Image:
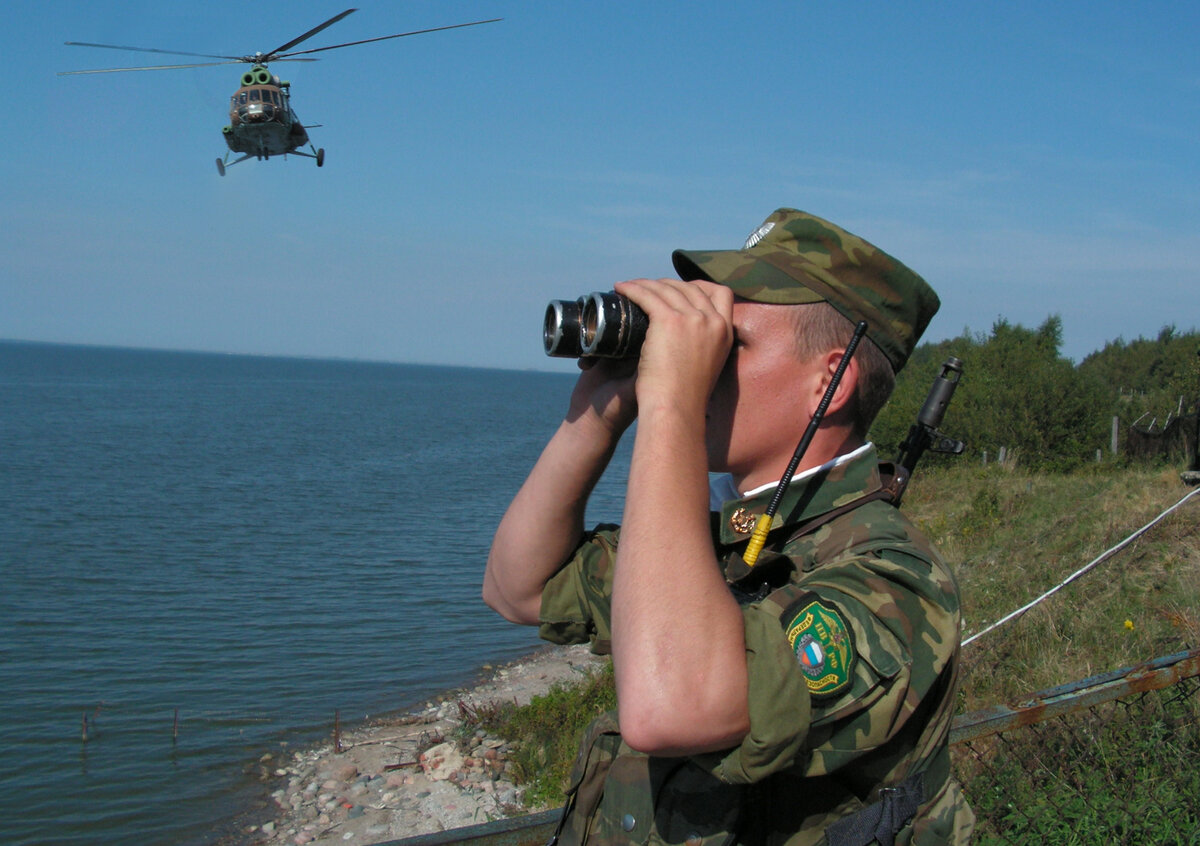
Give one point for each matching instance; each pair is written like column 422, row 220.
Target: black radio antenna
column 763, row 525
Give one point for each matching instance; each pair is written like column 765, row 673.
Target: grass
column 1117, row 773
column 1011, row 536
column 547, row 732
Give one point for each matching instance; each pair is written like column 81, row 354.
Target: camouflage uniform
column 851, row 618
column 852, row 640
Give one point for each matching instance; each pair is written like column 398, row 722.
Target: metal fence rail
column 1112, row 759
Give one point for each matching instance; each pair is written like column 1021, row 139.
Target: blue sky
column 1028, row 159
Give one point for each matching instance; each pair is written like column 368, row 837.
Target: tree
column 1149, row 377
column 1017, row 392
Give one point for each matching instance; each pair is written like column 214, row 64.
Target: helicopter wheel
column 321, row 157
column 220, row 167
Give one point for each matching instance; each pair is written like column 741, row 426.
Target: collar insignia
column 742, row 521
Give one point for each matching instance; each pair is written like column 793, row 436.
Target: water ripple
column 207, row 555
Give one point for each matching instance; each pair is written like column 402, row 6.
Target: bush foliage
column 1019, row 392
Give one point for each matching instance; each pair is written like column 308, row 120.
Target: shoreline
column 404, row 774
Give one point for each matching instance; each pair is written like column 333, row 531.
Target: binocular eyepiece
column 602, row 325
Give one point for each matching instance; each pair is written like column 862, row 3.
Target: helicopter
column 262, row 123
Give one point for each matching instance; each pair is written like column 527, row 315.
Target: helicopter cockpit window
column 254, row 95
column 242, row 98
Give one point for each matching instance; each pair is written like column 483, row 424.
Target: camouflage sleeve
column 838, row 662
column 870, row 636
column 779, row 704
column 577, row 601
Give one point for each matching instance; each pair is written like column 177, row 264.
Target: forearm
column 544, row 522
column 678, row 639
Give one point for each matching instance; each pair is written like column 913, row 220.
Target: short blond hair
column 820, row 328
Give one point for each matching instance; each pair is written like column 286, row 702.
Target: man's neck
column 826, row 446
column 723, row 487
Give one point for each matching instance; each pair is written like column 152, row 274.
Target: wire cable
column 1108, row 553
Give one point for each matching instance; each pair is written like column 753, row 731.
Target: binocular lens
column 602, row 325
column 560, row 331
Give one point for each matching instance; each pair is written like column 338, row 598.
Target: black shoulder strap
column 879, row 822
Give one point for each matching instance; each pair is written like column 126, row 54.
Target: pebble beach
column 406, row 775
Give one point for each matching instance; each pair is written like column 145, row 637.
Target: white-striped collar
column 721, row 488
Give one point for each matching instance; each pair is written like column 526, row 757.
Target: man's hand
column 604, row 395
column 687, row 342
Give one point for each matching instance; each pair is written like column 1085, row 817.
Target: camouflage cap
column 796, row 257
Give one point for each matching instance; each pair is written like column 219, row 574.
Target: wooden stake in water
column 85, row 729
column 337, row 731
column 175, row 727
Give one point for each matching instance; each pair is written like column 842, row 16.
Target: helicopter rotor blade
column 274, row 53
column 171, row 67
column 386, row 37
column 151, row 67
column 150, row 50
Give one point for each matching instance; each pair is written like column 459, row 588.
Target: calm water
column 255, row 542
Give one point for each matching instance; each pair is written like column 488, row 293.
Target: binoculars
column 601, row 325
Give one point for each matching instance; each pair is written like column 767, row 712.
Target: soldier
column 806, row 699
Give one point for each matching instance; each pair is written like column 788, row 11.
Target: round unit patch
column 823, row 645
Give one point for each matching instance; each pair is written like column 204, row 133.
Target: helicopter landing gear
column 223, row 163
column 319, row 155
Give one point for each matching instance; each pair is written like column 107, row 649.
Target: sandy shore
column 408, row 775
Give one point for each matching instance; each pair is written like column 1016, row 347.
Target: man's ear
column 843, row 397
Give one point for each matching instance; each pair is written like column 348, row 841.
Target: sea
column 206, row 558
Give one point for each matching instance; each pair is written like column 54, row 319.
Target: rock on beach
column 409, row 775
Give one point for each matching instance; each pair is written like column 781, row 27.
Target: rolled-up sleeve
column 780, row 705
column 577, row 601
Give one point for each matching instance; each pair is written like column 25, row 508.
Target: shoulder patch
column 823, row 644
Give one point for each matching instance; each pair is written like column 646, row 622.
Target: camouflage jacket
column 852, row 642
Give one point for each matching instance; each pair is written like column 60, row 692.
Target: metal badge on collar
column 742, row 521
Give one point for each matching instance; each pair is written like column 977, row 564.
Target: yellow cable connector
column 757, row 539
